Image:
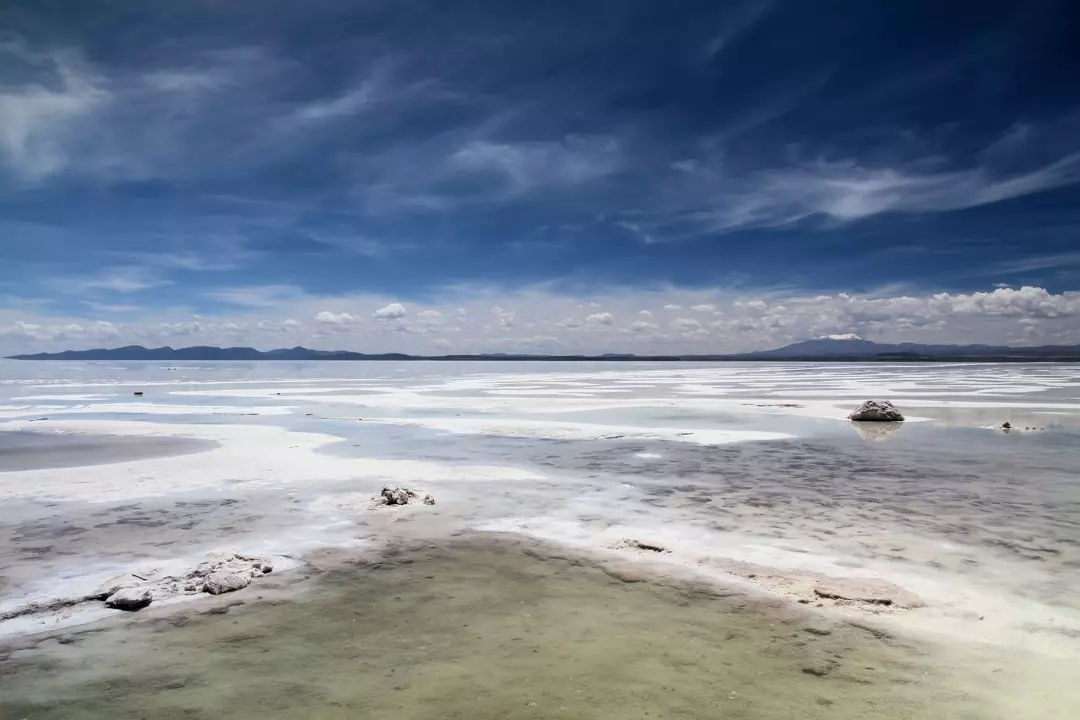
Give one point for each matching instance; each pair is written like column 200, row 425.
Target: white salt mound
column 876, row 411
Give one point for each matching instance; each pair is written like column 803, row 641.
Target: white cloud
column 329, row 318
column 644, row 313
column 686, row 324
column 393, row 311
column 504, row 319
column 600, row 319
column 704, row 307
column 1027, row 301
column 759, row 320
column 673, row 307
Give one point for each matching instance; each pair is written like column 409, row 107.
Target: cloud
column 393, row 311
column 704, row 307
column 124, row 280
column 329, row 318
column 644, row 313
column 750, row 322
column 686, row 324
column 1030, row 302
column 39, row 115
column 849, row 190
column 600, row 319
column 672, row 307
column 97, row 331
column 258, row 296
column 527, row 165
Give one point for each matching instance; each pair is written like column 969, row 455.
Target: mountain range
column 830, row 348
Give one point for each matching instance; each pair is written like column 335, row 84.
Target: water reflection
column 876, row 431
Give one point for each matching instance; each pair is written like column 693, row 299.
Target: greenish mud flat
column 487, row 625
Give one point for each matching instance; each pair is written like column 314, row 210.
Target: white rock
column 876, row 411
column 394, row 495
column 223, row 582
column 129, row 598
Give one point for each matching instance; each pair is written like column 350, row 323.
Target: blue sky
column 230, row 173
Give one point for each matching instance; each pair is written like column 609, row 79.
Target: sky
column 493, row 176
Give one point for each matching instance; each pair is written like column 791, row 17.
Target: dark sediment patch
column 484, row 626
column 25, row 450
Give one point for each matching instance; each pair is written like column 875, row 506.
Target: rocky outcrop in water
column 222, row 572
column 394, row 495
column 876, row 411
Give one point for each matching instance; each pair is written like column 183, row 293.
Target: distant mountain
column 829, row 348
column 836, row 347
column 207, row 352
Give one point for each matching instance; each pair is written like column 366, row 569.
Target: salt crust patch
column 954, row 608
column 552, row 430
column 13, row 411
column 248, row 454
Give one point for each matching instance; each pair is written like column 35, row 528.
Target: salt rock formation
column 223, row 572
column 394, row 495
column 222, row 582
column 876, row 411
column 130, row 598
column 632, row 544
column 867, row 590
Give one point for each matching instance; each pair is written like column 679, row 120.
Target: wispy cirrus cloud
column 843, row 191
column 529, row 165
column 38, row 116
column 258, row 296
column 122, row 280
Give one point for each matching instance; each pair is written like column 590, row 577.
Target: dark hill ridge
column 826, row 348
column 822, row 349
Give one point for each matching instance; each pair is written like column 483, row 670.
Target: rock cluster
column 876, row 411
column 221, row 573
column 394, row 495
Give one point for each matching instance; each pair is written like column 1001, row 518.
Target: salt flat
column 747, row 475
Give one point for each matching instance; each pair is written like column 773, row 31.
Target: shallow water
column 748, row 475
column 490, row 628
